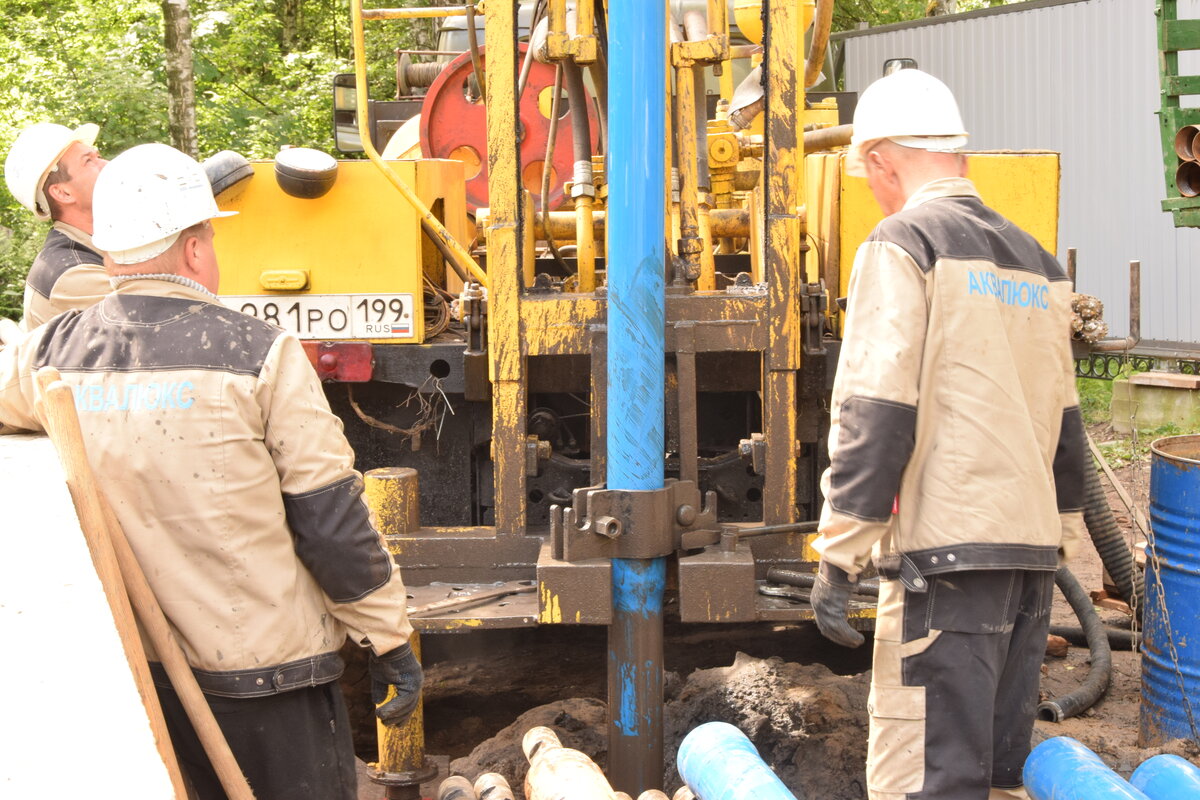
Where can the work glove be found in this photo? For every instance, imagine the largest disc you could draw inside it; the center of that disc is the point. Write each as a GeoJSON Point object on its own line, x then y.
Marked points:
{"type": "Point", "coordinates": [831, 603]}
{"type": "Point", "coordinates": [396, 680]}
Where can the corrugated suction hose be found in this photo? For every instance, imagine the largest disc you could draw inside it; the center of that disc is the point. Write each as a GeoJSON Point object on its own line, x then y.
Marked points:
{"type": "Point", "coordinates": [1096, 683]}
{"type": "Point", "coordinates": [1110, 544]}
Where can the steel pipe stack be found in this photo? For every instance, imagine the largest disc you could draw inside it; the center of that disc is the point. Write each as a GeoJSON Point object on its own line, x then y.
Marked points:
{"type": "Point", "coordinates": [1187, 147]}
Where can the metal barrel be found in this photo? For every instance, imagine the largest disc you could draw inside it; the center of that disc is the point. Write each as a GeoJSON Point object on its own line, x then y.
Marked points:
{"type": "Point", "coordinates": [1170, 667]}
{"type": "Point", "coordinates": [718, 762]}
{"type": "Point", "coordinates": [1166, 777]}
{"type": "Point", "coordinates": [1063, 769]}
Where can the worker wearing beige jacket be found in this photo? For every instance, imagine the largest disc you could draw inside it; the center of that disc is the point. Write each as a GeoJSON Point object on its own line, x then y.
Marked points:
{"type": "Point", "coordinates": [955, 458]}
{"type": "Point", "coordinates": [212, 438]}
{"type": "Point", "coordinates": [51, 170]}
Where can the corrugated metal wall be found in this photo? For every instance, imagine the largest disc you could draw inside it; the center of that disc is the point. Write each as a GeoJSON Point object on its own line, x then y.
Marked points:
{"type": "Point", "coordinates": [1080, 78]}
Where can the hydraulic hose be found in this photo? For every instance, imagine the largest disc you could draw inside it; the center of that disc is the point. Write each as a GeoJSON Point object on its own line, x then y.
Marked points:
{"type": "Point", "coordinates": [1096, 683]}
{"type": "Point", "coordinates": [581, 136]}
{"type": "Point", "coordinates": [1118, 638]}
{"type": "Point", "coordinates": [1110, 544]}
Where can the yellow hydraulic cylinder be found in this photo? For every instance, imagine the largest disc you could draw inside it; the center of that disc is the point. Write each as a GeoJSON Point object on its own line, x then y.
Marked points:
{"type": "Point", "coordinates": [585, 239]}
{"type": "Point", "coordinates": [689, 200]}
{"type": "Point", "coordinates": [392, 495]}
{"type": "Point", "coordinates": [393, 499]}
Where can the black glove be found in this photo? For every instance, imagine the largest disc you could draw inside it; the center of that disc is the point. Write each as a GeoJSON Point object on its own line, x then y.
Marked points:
{"type": "Point", "coordinates": [831, 603]}
{"type": "Point", "coordinates": [396, 680]}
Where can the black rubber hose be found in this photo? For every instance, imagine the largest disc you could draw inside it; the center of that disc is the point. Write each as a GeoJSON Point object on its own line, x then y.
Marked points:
{"type": "Point", "coordinates": [1096, 683]}
{"type": "Point", "coordinates": [581, 133]}
{"type": "Point", "coordinates": [1110, 544]}
{"type": "Point", "coordinates": [1118, 638]}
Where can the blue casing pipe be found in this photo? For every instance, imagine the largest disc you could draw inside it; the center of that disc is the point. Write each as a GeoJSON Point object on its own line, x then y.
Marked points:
{"type": "Point", "coordinates": [636, 209]}
{"type": "Point", "coordinates": [1063, 769]}
{"type": "Point", "coordinates": [1167, 777]}
{"type": "Point", "coordinates": [718, 762]}
{"type": "Point", "coordinates": [634, 429]}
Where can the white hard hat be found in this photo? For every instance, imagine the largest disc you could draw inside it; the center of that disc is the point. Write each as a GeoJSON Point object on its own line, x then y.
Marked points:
{"type": "Point", "coordinates": [35, 152]}
{"type": "Point", "coordinates": [910, 107]}
{"type": "Point", "coordinates": [144, 198]}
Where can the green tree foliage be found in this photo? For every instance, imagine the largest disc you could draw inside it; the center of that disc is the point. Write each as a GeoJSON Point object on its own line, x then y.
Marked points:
{"type": "Point", "coordinates": [849, 14]}
{"type": "Point", "coordinates": [264, 72]}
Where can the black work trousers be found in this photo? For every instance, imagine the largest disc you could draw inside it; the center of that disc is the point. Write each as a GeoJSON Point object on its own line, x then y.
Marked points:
{"type": "Point", "coordinates": [294, 745]}
{"type": "Point", "coordinates": [954, 685]}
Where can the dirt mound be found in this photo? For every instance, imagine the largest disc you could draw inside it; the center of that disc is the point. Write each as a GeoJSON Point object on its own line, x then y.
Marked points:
{"type": "Point", "coordinates": [809, 725]}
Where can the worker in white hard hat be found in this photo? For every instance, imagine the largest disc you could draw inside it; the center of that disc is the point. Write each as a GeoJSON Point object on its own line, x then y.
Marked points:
{"type": "Point", "coordinates": [956, 458]}
{"type": "Point", "coordinates": [211, 436]}
{"type": "Point", "coordinates": [51, 170]}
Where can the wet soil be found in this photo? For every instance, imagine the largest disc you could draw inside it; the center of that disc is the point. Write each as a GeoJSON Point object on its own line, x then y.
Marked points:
{"type": "Point", "coordinates": [801, 699]}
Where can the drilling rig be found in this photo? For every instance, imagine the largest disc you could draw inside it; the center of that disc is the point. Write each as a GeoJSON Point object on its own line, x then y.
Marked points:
{"type": "Point", "coordinates": [583, 343]}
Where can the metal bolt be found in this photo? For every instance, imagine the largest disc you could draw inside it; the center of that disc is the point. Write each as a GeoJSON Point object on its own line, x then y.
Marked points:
{"type": "Point", "coordinates": [685, 515]}
{"type": "Point", "coordinates": [608, 526]}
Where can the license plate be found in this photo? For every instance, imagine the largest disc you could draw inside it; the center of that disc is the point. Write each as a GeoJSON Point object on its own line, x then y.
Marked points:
{"type": "Point", "coordinates": [332, 316]}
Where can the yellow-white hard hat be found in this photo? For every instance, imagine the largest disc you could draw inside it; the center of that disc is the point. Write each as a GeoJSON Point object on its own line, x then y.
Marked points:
{"type": "Point", "coordinates": [35, 152]}
{"type": "Point", "coordinates": [910, 107]}
{"type": "Point", "coordinates": [144, 198]}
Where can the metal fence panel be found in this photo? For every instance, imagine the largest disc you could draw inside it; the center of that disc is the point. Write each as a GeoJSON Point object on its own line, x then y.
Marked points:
{"type": "Point", "coordinates": [1079, 77]}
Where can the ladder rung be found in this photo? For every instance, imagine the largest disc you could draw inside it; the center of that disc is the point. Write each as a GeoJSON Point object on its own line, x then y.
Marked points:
{"type": "Point", "coordinates": [1177, 85]}
{"type": "Point", "coordinates": [1180, 34]}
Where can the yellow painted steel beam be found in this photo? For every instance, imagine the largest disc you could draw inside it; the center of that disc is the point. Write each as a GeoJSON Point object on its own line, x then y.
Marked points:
{"type": "Point", "coordinates": [783, 258]}
{"type": "Point", "coordinates": [506, 238]}
{"type": "Point", "coordinates": [430, 223]}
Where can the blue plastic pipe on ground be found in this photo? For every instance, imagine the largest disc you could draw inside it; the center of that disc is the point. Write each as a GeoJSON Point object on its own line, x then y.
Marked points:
{"type": "Point", "coordinates": [1063, 769]}
{"type": "Point", "coordinates": [634, 437]}
{"type": "Point", "coordinates": [1167, 777]}
{"type": "Point", "coordinates": [718, 762]}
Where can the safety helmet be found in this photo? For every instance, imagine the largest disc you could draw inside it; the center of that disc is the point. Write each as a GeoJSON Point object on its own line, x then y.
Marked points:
{"type": "Point", "coordinates": [910, 107]}
{"type": "Point", "coordinates": [144, 198]}
{"type": "Point", "coordinates": [35, 152]}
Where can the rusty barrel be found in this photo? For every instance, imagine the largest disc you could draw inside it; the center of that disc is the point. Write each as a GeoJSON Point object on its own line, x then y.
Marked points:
{"type": "Point", "coordinates": [1171, 643]}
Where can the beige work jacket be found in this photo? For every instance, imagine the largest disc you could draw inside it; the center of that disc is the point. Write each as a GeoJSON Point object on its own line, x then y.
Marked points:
{"type": "Point", "coordinates": [956, 440]}
{"type": "Point", "coordinates": [212, 438]}
{"type": "Point", "coordinates": [67, 274]}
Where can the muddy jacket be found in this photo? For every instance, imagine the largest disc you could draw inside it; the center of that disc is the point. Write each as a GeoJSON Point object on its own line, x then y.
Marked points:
{"type": "Point", "coordinates": [68, 273]}
{"type": "Point", "coordinates": [212, 438]}
{"type": "Point", "coordinates": [955, 391]}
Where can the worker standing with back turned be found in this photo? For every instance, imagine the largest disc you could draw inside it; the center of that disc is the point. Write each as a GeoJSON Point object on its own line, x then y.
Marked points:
{"type": "Point", "coordinates": [210, 435]}
{"type": "Point", "coordinates": [955, 449]}
{"type": "Point", "coordinates": [52, 170]}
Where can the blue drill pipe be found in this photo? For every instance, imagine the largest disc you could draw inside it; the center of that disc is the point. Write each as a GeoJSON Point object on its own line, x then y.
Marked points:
{"type": "Point", "coordinates": [636, 383]}
{"type": "Point", "coordinates": [1167, 777]}
{"type": "Point", "coordinates": [718, 762]}
{"type": "Point", "coordinates": [1063, 769]}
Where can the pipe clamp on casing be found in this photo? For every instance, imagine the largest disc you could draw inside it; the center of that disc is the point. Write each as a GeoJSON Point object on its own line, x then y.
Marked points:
{"type": "Point", "coordinates": [621, 523]}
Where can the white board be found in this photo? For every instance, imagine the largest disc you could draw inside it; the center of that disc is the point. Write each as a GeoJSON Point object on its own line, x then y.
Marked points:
{"type": "Point", "coordinates": [61, 650]}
